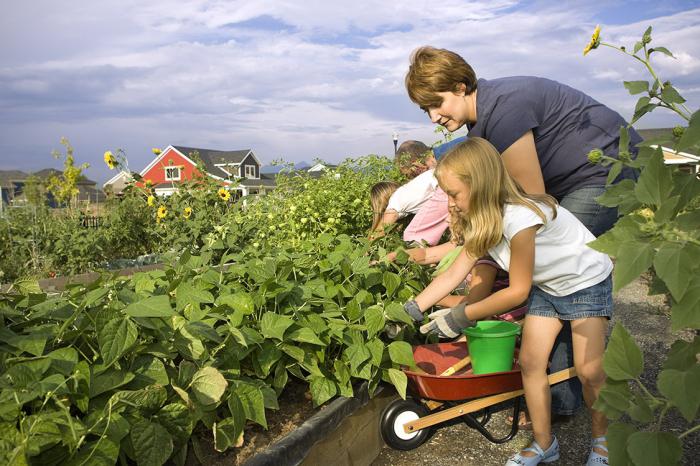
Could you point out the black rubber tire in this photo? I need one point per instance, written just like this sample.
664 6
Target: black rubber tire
406 411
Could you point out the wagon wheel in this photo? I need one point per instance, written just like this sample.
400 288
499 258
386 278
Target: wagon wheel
395 416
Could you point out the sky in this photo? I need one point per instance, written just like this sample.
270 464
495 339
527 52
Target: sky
291 79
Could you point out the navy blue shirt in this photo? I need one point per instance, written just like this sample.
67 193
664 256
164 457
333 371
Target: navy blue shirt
565 122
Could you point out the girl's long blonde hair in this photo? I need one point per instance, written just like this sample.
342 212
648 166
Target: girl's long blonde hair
379 195
478 164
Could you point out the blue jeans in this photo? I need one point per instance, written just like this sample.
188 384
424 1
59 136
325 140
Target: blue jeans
567 397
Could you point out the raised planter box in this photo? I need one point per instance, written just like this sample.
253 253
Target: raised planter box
344 433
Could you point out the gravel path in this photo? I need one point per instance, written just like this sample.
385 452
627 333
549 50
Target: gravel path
645 317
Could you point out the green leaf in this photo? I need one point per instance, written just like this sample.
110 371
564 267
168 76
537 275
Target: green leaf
391 282
623 360
63 359
117 336
401 353
684 314
237 411
681 388
613 399
671 96
109 380
322 390
342 375
101 452
274 325
305 335
176 419
357 354
636 87
252 401
396 313
663 50
637 47
633 258
186 294
153 306
681 356
674 264
226 434
152 443
399 380
691 135
654 448
374 320
353 310
267 356
655 183
239 301
640 410
208 385
618 434
148 370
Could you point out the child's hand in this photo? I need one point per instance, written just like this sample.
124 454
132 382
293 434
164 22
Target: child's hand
448 323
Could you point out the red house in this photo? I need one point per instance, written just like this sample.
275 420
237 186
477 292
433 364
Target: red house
236 169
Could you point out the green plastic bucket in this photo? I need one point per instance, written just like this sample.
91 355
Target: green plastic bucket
492 345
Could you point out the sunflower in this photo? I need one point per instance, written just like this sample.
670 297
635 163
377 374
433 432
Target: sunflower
162 211
224 194
110 160
187 213
595 41
151 201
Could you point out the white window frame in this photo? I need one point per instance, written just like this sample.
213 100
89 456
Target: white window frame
250 171
172 178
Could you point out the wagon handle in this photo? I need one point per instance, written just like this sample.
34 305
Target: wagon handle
450 370
476 405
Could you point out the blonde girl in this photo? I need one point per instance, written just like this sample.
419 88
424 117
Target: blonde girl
543 247
379 196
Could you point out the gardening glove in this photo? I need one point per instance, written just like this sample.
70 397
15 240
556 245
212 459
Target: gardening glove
449 323
412 309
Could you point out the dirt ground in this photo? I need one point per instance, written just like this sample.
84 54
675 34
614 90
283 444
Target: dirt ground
647 320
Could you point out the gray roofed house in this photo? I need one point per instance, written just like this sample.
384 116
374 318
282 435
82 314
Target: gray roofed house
12 183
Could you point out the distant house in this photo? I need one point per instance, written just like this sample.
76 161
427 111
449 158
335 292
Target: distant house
238 170
118 182
12 183
688 161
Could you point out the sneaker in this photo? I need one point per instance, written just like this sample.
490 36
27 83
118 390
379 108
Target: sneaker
541 456
595 458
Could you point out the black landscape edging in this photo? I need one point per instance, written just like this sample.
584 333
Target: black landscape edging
291 449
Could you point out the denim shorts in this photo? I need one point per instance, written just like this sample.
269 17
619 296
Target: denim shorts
594 301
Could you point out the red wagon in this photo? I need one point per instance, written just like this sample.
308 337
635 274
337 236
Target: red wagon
435 397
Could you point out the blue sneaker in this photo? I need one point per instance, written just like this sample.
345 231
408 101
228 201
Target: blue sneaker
595 458
541 456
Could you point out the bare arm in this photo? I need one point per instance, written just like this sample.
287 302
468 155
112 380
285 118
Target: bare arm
522 262
447 281
523 165
389 217
424 256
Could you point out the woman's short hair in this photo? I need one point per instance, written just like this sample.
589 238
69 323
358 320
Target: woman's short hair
434 70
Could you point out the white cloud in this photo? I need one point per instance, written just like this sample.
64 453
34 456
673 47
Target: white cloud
299 79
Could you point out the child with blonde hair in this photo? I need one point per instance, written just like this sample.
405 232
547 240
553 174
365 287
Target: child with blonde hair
544 248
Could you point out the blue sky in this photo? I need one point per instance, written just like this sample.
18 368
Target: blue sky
294 80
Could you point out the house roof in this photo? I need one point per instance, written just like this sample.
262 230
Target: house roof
212 158
263 181
7 176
